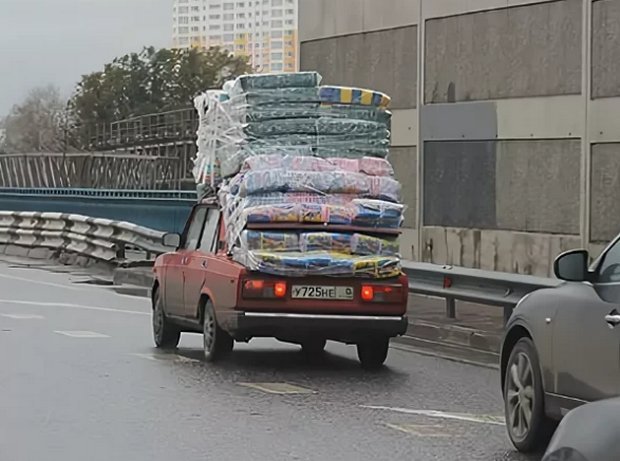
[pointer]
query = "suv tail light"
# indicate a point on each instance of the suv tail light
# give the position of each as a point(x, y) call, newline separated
point(264, 289)
point(382, 293)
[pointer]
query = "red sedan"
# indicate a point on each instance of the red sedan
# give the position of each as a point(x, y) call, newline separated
point(199, 288)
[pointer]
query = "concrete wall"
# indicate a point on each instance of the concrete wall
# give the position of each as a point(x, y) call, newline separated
point(383, 60)
point(524, 51)
point(605, 49)
point(509, 146)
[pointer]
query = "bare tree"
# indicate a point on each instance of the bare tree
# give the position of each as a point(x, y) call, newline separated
point(2, 135)
point(38, 124)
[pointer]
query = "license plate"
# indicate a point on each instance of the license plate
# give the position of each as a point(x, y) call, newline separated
point(321, 292)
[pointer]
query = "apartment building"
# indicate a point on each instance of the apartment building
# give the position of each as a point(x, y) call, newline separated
point(263, 30)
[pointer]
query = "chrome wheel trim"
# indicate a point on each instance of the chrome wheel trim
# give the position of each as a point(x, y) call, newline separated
point(158, 319)
point(208, 332)
point(520, 398)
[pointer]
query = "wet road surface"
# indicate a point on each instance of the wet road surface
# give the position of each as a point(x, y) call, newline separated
point(80, 379)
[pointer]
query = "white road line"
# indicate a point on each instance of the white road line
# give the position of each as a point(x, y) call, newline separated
point(82, 334)
point(420, 430)
point(38, 282)
point(22, 316)
point(480, 419)
point(165, 358)
point(146, 356)
point(278, 388)
point(73, 306)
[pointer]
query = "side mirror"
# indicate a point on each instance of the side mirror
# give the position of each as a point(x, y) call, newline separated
point(572, 266)
point(172, 240)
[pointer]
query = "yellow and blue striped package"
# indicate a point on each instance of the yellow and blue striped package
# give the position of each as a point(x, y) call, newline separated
point(354, 96)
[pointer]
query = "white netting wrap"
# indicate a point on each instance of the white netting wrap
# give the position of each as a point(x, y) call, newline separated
point(302, 175)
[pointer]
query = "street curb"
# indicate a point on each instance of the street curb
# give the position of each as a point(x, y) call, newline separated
point(136, 264)
point(403, 346)
point(64, 258)
point(132, 290)
point(456, 335)
point(137, 277)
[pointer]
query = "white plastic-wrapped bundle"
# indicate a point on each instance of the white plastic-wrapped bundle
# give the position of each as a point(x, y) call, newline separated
point(287, 114)
point(211, 136)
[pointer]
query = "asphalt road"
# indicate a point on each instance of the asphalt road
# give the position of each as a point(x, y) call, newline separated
point(80, 379)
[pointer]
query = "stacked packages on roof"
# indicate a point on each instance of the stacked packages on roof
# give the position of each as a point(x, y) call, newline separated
point(302, 175)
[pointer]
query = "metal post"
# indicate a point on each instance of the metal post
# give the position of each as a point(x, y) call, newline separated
point(120, 251)
point(420, 141)
point(451, 308)
point(586, 160)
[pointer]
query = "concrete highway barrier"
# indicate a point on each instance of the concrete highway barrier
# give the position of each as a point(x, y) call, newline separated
point(97, 238)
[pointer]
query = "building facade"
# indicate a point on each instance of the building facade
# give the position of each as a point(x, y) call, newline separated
point(505, 124)
point(263, 30)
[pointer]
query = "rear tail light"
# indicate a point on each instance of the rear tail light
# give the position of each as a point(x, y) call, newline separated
point(264, 289)
point(382, 293)
point(368, 293)
point(279, 289)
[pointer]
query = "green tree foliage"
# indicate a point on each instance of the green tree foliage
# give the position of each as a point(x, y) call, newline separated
point(151, 81)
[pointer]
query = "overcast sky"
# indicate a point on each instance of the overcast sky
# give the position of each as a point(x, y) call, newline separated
point(57, 41)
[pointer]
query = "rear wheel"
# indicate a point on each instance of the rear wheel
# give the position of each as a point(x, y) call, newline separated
point(165, 334)
point(528, 426)
point(372, 353)
point(217, 343)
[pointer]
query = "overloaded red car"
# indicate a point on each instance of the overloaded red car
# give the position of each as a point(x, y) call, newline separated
point(200, 289)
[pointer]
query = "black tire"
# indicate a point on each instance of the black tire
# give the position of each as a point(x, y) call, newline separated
point(524, 395)
point(165, 334)
point(372, 353)
point(314, 347)
point(217, 343)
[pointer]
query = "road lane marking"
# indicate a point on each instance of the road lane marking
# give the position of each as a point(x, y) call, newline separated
point(480, 419)
point(420, 430)
point(182, 359)
point(166, 358)
point(74, 306)
point(278, 388)
point(146, 356)
point(22, 316)
point(82, 334)
point(39, 282)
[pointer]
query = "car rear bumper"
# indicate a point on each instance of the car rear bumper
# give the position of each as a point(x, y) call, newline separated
point(346, 328)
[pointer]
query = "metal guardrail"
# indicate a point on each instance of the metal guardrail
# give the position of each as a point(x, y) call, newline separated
point(107, 240)
point(174, 125)
point(93, 237)
point(104, 193)
point(153, 167)
point(472, 285)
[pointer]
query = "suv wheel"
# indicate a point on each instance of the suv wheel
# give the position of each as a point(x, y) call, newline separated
point(528, 427)
point(217, 343)
point(165, 334)
point(372, 353)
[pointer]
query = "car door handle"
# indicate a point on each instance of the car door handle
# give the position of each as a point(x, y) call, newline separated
point(613, 319)
point(205, 263)
point(184, 261)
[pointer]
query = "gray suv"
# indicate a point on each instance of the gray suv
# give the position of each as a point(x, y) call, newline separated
point(562, 347)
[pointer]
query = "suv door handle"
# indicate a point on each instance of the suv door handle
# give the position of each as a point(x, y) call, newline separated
point(613, 319)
